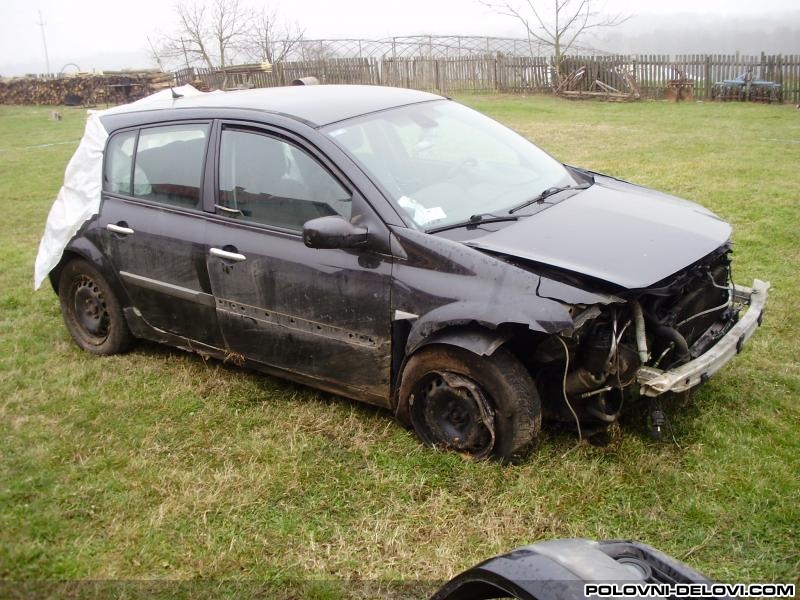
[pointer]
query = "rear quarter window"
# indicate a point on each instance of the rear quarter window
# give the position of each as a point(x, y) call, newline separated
point(119, 156)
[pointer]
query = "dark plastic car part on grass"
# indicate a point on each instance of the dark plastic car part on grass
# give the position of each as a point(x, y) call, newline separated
point(559, 570)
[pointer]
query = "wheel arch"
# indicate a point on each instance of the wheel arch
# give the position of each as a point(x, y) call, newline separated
point(476, 327)
point(82, 248)
point(473, 337)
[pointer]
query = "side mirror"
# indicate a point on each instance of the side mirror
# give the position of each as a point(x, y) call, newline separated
point(333, 232)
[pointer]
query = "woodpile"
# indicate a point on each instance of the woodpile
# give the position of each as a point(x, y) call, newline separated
point(85, 89)
point(200, 84)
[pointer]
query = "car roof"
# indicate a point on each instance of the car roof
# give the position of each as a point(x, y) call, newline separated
point(317, 105)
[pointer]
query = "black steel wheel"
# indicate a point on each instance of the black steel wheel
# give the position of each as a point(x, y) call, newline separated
point(454, 413)
point(482, 406)
point(91, 311)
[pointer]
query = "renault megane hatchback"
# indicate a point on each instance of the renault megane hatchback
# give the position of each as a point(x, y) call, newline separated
point(396, 247)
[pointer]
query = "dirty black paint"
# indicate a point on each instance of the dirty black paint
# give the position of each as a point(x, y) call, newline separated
point(167, 246)
point(322, 313)
point(326, 317)
point(448, 283)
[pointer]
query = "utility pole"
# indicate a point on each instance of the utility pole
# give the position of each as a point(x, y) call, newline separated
point(44, 43)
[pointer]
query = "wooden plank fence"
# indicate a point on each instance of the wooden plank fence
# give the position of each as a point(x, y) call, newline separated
point(522, 74)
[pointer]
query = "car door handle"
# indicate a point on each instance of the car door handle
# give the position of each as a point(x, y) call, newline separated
point(234, 256)
point(119, 229)
point(230, 211)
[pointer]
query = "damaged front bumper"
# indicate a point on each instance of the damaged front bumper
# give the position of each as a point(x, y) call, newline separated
point(654, 382)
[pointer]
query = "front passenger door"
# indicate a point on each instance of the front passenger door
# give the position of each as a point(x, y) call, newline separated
point(320, 314)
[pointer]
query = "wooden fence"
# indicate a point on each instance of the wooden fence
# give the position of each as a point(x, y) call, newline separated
point(515, 73)
point(340, 70)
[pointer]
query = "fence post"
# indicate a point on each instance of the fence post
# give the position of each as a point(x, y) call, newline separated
point(708, 77)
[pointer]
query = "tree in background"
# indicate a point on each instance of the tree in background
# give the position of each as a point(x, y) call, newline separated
point(216, 33)
point(556, 25)
point(271, 39)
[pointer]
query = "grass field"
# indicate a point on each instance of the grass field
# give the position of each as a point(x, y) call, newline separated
point(157, 464)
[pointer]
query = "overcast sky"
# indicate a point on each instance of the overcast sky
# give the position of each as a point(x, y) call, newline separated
point(108, 34)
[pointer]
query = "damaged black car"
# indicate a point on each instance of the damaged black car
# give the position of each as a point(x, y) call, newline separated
point(398, 248)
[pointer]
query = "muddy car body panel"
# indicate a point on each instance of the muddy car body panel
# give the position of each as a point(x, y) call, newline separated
point(261, 227)
point(446, 284)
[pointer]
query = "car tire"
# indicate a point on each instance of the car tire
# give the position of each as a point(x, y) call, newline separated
point(483, 406)
point(91, 310)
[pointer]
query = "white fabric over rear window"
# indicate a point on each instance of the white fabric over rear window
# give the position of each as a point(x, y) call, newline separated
point(79, 197)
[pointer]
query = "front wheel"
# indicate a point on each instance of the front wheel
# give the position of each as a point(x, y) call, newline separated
point(91, 311)
point(483, 406)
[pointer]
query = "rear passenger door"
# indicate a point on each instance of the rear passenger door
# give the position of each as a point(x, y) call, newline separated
point(322, 314)
point(155, 226)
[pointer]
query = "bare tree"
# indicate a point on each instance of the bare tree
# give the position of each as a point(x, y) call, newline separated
point(556, 25)
point(318, 50)
point(230, 27)
point(271, 39)
point(206, 33)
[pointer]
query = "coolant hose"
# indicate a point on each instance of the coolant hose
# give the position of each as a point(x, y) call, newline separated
point(662, 330)
point(681, 346)
point(641, 337)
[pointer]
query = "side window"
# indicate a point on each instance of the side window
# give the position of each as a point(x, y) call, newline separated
point(169, 164)
point(269, 181)
point(119, 156)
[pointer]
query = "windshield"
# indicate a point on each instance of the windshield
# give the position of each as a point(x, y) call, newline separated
point(442, 162)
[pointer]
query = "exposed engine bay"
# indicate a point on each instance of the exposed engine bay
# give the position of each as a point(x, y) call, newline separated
point(595, 370)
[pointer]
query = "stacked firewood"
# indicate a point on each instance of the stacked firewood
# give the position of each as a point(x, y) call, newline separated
point(85, 89)
point(200, 84)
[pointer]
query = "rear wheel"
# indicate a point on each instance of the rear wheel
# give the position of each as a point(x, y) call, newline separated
point(483, 406)
point(92, 312)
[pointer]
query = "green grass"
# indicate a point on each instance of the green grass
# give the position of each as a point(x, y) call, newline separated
point(158, 464)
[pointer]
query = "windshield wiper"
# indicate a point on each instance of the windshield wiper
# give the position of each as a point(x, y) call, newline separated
point(474, 220)
point(548, 192)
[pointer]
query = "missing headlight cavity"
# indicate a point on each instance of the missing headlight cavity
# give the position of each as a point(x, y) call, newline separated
point(661, 327)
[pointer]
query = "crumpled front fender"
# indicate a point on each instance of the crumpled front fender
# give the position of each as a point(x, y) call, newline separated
point(478, 327)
